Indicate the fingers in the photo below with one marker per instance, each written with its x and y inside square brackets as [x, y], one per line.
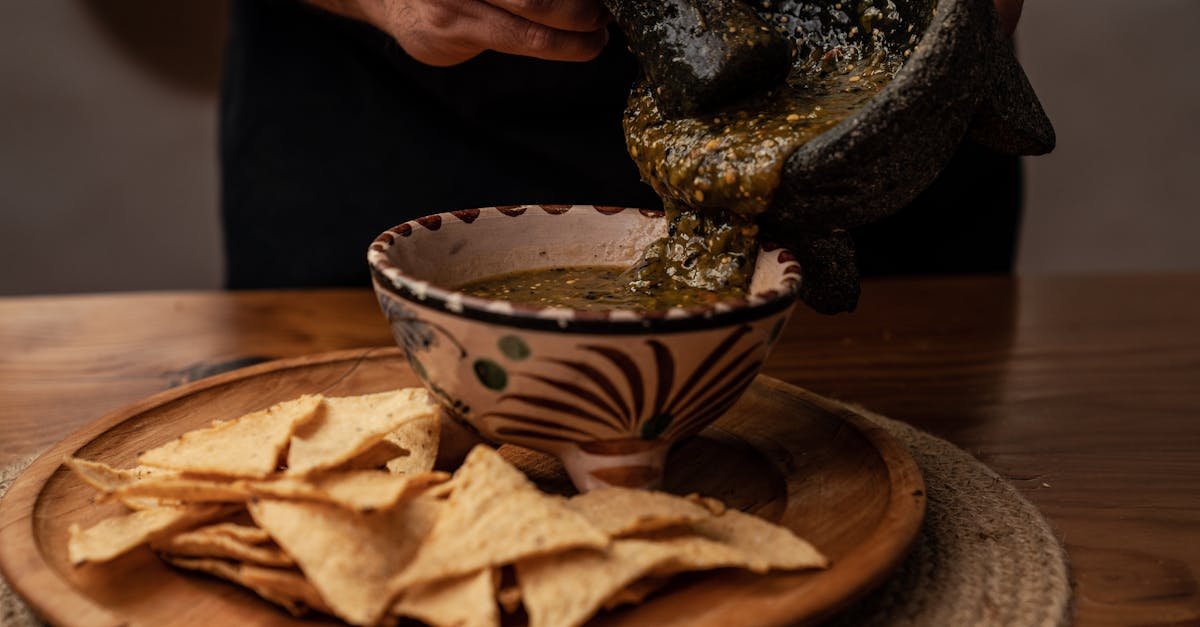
[580, 16]
[506, 32]
[448, 32]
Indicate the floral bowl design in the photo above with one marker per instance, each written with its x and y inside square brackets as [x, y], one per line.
[605, 392]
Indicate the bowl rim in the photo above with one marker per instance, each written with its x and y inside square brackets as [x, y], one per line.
[388, 277]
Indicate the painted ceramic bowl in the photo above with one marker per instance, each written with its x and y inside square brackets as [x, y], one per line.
[605, 392]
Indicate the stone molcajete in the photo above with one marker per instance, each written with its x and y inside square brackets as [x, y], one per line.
[879, 96]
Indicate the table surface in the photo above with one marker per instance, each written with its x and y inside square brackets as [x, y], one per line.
[1084, 392]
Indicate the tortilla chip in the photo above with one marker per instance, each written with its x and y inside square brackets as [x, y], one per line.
[767, 546]
[215, 567]
[566, 589]
[286, 588]
[713, 505]
[351, 425]
[290, 584]
[207, 543]
[495, 516]
[349, 557]
[623, 511]
[361, 490]
[249, 446]
[113, 537]
[164, 485]
[137, 503]
[246, 534]
[467, 601]
[102, 477]
[419, 439]
[637, 591]
[106, 479]
[184, 489]
[374, 458]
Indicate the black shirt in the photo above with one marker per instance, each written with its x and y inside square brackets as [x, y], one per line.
[330, 134]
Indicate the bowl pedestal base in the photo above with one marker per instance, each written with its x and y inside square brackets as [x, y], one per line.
[620, 463]
[625, 463]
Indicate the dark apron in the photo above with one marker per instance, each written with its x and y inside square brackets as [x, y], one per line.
[330, 134]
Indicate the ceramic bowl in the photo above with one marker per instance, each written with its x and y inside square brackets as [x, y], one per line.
[605, 392]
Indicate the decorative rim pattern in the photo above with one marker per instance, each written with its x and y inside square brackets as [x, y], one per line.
[391, 278]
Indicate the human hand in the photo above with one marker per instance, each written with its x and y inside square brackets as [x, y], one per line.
[1010, 13]
[449, 32]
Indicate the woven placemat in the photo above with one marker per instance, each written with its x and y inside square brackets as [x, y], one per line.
[985, 555]
[13, 613]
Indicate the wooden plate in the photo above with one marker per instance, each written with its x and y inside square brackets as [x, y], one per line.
[781, 452]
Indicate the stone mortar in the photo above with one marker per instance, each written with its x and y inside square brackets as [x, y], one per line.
[960, 81]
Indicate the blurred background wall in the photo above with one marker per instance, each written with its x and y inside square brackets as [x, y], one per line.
[1122, 191]
[108, 171]
[108, 175]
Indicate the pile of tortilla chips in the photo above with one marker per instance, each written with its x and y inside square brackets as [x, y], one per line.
[333, 505]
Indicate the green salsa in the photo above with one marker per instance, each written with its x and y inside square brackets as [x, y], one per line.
[731, 160]
[702, 250]
[589, 288]
[717, 172]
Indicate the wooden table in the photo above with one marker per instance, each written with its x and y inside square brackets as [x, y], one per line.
[1084, 392]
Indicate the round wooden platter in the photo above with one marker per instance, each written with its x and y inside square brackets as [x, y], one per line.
[785, 454]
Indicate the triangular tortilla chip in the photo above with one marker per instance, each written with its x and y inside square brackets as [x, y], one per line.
[636, 592]
[113, 537]
[100, 476]
[144, 502]
[362, 490]
[466, 601]
[374, 458]
[708, 502]
[349, 557]
[159, 485]
[624, 511]
[246, 534]
[249, 446]
[566, 589]
[278, 583]
[286, 588]
[420, 440]
[495, 516]
[351, 425]
[184, 489]
[767, 546]
[207, 543]
[106, 479]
